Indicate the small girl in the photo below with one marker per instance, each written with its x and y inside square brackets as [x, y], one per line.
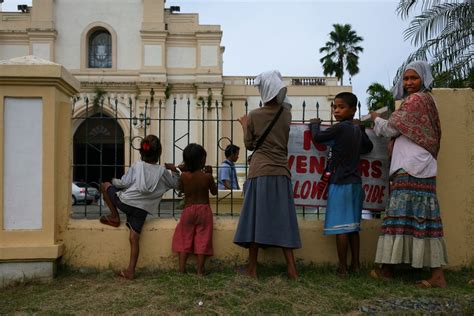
[193, 233]
[345, 194]
[136, 194]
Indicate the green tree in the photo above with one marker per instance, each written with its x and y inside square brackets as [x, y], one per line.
[341, 52]
[443, 33]
[379, 97]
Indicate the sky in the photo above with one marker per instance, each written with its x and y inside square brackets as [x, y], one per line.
[260, 35]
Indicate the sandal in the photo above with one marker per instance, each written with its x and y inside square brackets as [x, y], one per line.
[105, 219]
[122, 275]
[425, 284]
[377, 275]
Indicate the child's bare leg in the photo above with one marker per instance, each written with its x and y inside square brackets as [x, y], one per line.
[252, 264]
[342, 245]
[113, 210]
[354, 243]
[134, 239]
[183, 257]
[201, 261]
[290, 263]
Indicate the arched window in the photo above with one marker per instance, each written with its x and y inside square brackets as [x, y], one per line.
[100, 49]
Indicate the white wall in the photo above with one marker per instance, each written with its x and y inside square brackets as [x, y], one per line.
[41, 50]
[208, 55]
[12, 51]
[181, 57]
[153, 55]
[72, 18]
[23, 164]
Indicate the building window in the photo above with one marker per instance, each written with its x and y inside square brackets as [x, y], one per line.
[100, 49]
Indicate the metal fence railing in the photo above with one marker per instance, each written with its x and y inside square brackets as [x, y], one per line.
[107, 132]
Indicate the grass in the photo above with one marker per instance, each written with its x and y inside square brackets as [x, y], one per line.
[318, 291]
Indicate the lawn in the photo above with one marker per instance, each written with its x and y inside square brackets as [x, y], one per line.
[318, 291]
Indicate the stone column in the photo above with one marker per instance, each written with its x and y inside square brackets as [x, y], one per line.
[35, 166]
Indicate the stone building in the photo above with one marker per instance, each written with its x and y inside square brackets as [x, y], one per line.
[120, 50]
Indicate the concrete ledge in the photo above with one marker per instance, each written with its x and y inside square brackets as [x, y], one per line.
[11, 272]
[31, 252]
[91, 244]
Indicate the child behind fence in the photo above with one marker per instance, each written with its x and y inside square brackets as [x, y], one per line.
[345, 194]
[136, 194]
[193, 233]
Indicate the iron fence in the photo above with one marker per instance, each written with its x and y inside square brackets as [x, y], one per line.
[102, 149]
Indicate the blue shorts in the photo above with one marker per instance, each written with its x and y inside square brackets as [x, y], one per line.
[344, 208]
[135, 216]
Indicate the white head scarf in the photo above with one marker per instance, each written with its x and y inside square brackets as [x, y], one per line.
[270, 85]
[423, 70]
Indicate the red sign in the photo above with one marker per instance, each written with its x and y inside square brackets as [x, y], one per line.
[307, 160]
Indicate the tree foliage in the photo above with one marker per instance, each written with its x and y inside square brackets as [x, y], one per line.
[443, 33]
[379, 97]
[341, 52]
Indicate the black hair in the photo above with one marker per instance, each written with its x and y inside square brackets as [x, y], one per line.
[349, 98]
[150, 149]
[231, 150]
[194, 157]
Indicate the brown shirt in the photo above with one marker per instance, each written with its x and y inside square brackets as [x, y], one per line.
[271, 159]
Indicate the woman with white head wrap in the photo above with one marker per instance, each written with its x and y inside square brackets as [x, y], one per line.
[412, 231]
[268, 216]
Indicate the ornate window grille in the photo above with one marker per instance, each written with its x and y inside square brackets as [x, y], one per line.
[100, 49]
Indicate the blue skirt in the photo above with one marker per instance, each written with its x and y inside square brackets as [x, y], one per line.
[344, 208]
[268, 215]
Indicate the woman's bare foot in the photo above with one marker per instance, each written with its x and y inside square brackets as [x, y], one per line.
[381, 274]
[436, 280]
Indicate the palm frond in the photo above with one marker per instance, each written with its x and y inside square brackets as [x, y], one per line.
[436, 20]
[405, 7]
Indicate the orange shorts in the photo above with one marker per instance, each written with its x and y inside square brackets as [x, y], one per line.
[193, 233]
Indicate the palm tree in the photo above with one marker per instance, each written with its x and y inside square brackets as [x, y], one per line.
[379, 97]
[341, 52]
[443, 33]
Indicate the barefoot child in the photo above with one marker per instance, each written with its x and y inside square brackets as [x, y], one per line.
[193, 233]
[345, 194]
[136, 194]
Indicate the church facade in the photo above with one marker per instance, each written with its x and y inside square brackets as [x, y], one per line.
[144, 68]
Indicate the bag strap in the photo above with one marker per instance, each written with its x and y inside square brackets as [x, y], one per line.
[261, 139]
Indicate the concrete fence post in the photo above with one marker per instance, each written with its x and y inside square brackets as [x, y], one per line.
[35, 166]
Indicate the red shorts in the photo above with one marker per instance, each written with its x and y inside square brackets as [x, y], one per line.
[193, 233]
